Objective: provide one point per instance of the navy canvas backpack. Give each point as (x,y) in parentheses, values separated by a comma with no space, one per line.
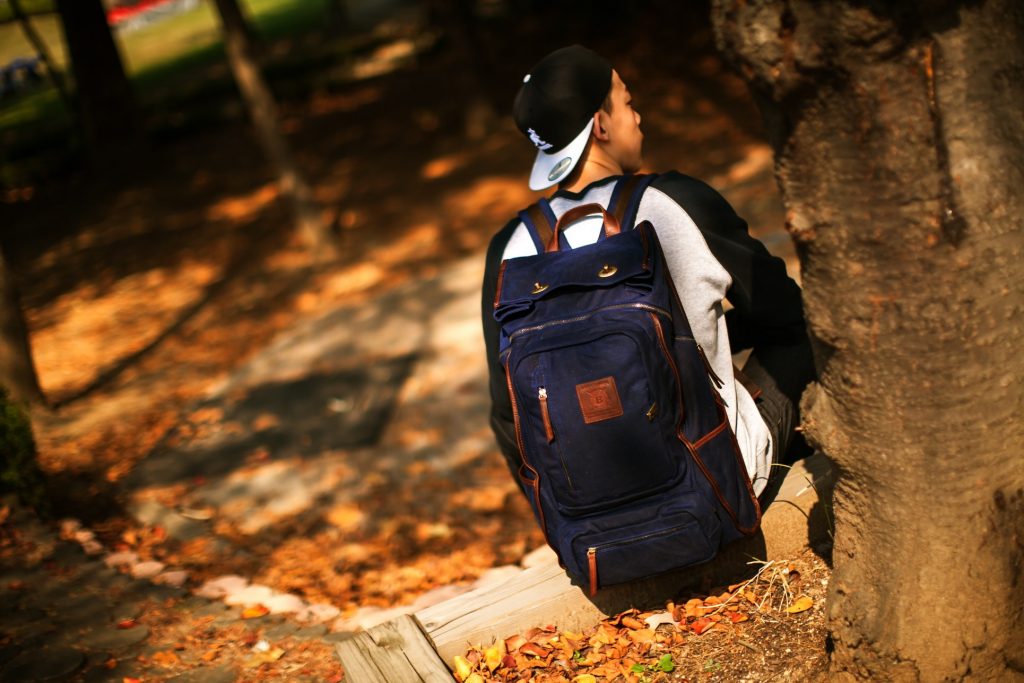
(628,458)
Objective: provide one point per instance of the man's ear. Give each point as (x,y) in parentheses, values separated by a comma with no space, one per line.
(600,130)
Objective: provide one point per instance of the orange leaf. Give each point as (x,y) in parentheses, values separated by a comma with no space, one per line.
(127,679)
(801,604)
(702,625)
(127,623)
(736,617)
(254,611)
(535,650)
(633,623)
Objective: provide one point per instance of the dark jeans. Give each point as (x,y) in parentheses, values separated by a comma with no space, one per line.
(781,373)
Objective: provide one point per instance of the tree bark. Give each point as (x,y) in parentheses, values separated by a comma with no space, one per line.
(44,54)
(312,229)
(899,150)
(17,371)
(106,104)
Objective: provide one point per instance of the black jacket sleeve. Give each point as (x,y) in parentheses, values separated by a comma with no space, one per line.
(767,306)
(501,405)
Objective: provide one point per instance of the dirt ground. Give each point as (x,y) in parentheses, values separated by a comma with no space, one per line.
(145,291)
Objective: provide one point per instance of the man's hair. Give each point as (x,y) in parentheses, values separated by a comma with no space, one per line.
(606,106)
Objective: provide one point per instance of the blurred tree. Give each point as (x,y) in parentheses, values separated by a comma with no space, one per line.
(19,466)
(106,104)
(39,45)
(17,371)
(313,230)
(338,16)
(899,149)
(458,21)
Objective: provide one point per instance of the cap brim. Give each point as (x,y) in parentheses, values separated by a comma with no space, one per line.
(552,168)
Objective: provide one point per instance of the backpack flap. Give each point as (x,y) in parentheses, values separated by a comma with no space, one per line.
(527,280)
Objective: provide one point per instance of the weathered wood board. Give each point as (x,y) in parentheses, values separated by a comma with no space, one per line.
(393,652)
(544,594)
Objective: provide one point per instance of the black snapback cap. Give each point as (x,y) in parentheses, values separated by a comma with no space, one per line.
(555,106)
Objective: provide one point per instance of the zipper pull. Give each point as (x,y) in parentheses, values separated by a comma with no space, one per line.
(711,371)
(592,563)
(549,431)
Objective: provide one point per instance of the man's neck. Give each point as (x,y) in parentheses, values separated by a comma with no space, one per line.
(590,171)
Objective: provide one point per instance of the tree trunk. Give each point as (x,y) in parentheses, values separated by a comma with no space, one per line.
(899,149)
(263,110)
(106,104)
(44,54)
(17,372)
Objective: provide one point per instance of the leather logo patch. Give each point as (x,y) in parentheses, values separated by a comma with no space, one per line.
(599,400)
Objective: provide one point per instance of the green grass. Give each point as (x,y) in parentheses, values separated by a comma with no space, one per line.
(165,62)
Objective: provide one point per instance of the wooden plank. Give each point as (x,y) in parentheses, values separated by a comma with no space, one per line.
(397,650)
(544,594)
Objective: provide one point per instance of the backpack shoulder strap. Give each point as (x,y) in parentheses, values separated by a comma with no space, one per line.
(539,220)
(625,199)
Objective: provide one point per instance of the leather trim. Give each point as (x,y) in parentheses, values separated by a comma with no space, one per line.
(710,435)
(501,279)
(592,565)
(535,482)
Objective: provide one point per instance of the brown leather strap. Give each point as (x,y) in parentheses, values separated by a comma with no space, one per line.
(622,199)
(540,222)
(611,224)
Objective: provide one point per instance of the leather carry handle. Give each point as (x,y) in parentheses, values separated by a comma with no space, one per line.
(611,224)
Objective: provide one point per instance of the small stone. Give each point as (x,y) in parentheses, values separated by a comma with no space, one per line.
(147,570)
(45,664)
(318,612)
(114,639)
(250,595)
(117,559)
(283,603)
(280,631)
(311,632)
(175,579)
(220,674)
(222,586)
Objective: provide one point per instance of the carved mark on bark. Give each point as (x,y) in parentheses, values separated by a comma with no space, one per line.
(954,227)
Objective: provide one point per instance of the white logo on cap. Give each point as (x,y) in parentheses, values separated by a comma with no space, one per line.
(559,168)
(535,139)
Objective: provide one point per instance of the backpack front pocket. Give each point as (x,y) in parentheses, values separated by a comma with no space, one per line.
(596,427)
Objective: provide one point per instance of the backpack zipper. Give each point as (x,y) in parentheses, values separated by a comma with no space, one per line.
(549,431)
(592,551)
(584,316)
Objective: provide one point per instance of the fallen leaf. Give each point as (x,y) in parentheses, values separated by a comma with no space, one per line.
(462,668)
(127,679)
(584,678)
(801,604)
(166,658)
(702,625)
(632,622)
(644,635)
(475,678)
(111,663)
(535,650)
(736,617)
(264,657)
(494,655)
(254,611)
(127,623)
(513,643)
(658,619)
